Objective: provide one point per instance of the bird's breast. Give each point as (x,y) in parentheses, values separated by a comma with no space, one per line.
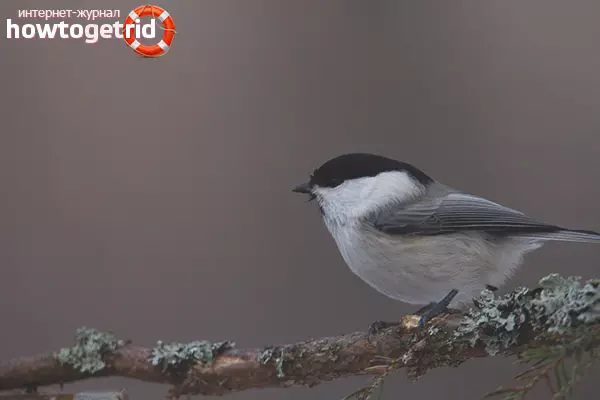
(420,270)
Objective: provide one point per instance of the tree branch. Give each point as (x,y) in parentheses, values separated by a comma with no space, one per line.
(559,312)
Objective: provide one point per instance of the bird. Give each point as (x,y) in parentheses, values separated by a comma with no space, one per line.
(419,241)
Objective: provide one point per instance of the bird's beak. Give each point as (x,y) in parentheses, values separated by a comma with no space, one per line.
(302,188)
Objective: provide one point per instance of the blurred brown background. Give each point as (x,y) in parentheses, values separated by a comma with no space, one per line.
(153,197)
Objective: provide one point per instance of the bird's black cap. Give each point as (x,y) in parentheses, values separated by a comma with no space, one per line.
(357,165)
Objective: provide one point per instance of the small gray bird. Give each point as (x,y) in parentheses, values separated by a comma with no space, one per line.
(419,241)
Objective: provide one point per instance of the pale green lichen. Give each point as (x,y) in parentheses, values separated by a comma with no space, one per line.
(89,349)
(178,357)
(273,354)
(558,304)
(567,304)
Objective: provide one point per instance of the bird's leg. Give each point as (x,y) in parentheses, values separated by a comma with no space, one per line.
(434,309)
(425,309)
(426,313)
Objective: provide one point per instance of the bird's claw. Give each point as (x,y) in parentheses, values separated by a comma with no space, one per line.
(434,309)
(378,326)
(426,314)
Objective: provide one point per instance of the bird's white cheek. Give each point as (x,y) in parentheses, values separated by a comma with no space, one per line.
(365,190)
(349,198)
(356,198)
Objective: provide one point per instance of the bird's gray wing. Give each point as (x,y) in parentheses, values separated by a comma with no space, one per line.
(457,212)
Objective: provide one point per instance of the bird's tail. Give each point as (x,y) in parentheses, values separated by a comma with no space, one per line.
(570,235)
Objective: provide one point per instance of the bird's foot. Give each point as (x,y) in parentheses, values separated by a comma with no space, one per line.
(491,288)
(378,326)
(426,314)
(432,310)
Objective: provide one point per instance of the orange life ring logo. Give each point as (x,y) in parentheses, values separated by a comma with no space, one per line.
(168,27)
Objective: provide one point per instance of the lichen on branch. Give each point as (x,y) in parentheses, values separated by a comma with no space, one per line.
(557,305)
(179,357)
(91,346)
(558,319)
